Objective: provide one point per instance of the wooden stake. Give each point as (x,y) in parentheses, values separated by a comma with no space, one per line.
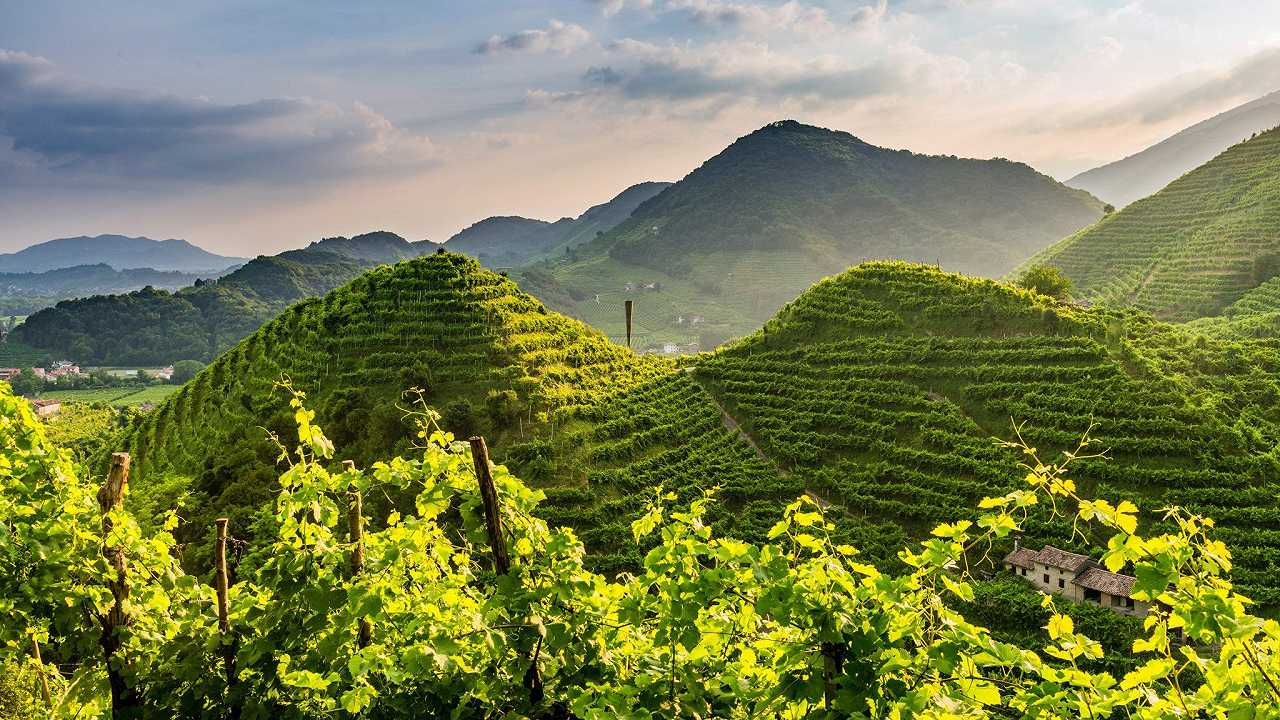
(630,305)
(832,662)
(355,522)
(224,621)
(44,681)
(111,497)
(492,511)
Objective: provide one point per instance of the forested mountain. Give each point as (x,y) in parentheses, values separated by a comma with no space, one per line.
(720,251)
(513,240)
(1192,249)
(1143,173)
(25,293)
(153,326)
(119,252)
(877,391)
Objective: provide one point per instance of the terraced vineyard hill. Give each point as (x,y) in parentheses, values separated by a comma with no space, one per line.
(718,253)
(1192,249)
(197,322)
(879,391)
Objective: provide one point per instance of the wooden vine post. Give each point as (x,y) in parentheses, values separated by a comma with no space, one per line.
(111,497)
(355,523)
(492,512)
(224,620)
(832,666)
(44,680)
(630,307)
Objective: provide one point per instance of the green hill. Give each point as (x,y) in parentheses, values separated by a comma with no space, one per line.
(878,391)
(512,240)
(1192,249)
(1143,173)
(158,327)
(719,252)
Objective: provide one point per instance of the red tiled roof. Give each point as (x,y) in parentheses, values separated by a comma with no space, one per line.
(1069,561)
(1095,578)
(1022,557)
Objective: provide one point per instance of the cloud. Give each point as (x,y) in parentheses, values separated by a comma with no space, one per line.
(868,18)
(1256,75)
(613,7)
(791,16)
(741,70)
(558,37)
(55,126)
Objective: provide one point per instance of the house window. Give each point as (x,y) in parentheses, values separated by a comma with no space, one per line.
(1061,583)
(1128,602)
(1024,572)
(1046,578)
(1093,596)
(1117,601)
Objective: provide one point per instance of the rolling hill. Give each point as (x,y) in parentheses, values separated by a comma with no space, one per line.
(25,293)
(152,326)
(1143,173)
(118,251)
(877,391)
(720,251)
(508,241)
(1192,249)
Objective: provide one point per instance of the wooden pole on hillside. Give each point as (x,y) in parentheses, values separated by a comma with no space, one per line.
(355,523)
(111,497)
(630,306)
(222,584)
(492,511)
(44,680)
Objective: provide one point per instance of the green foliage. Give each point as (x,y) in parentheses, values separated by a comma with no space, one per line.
(184,370)
(503,407)
(460,418)
(27,382)
(708,626)
(1046,280)
(157,327)
(1191,249)
(782,207)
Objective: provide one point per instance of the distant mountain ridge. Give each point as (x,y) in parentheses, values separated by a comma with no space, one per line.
(28,292)
(119,252)
(198,322)
(1143,173)
(718,252)
(511,240)
(1192,249)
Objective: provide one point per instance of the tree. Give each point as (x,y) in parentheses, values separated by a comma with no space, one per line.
(1108,209)
(184,370)
(459,418)
(1046,280)
(504,407)
(27,382)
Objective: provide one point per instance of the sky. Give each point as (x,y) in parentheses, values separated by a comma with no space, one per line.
(250,127)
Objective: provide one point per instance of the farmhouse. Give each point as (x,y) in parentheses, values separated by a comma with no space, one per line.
(47,408)
(1075,577)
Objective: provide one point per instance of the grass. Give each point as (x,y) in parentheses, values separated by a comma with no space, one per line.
(121,397)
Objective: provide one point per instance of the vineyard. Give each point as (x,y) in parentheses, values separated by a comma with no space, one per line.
(878,392)
(470,605)
(1192,249)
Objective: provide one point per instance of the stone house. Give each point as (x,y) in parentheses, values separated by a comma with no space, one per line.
(1076,577)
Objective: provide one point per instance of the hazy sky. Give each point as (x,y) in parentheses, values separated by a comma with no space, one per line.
(251,130)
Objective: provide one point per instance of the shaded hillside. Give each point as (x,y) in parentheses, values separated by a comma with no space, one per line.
(790,203)
(152,326)
(1143,173)
(119,252)
(1190,250)
(512,240)
(878,391)
(25,293)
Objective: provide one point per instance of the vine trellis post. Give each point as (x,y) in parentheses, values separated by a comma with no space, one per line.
(355,523)
(492,511)
(124,700)
(229,644)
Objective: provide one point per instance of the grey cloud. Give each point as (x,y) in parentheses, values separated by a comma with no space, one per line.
(56,125)
(557,37)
